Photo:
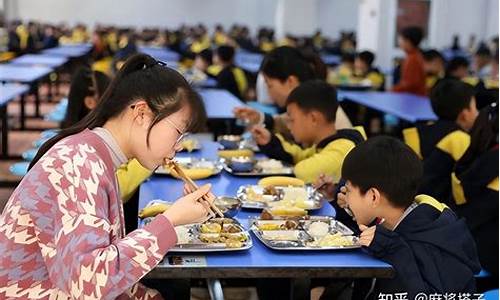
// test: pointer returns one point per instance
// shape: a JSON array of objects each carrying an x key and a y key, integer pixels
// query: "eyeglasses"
[{"x": 181, "y": 134}]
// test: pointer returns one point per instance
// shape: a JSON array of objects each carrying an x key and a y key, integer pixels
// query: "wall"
[
  {"x": 165, "y": 13},
  {"x": 337, "y": 15}
]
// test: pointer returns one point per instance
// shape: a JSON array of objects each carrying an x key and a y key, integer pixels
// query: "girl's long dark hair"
[
  {"x": 140, "y": 78},
  {"x": 84, "y": 83}
]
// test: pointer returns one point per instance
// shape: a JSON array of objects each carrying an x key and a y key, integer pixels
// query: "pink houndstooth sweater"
[{"x": 62, "y": 232}]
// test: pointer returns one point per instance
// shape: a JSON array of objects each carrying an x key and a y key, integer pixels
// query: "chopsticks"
[{"x": 213, "y": 210}]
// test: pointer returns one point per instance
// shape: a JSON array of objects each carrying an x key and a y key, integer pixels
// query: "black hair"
[
  {"x": 484, "y": 135},
  {"x": 226, "y": 53},
  {"x": 432, "y": 54},
  {"x": 456, "y": 63},
  {"x": 367, "y": 57},
  {"x": 84, "y": 83},
  {"x": 413, "y": 34},
  {"x": 282, "y": 62},
  {"x": 387, "y": 164},
  {"x": 348, "y": 57},
  {"x": 141, "y": 77},
  {"x": 449, "y": 97},
  {"x": 206, "y": 55},
  {"x": 483, "y": 50},
  {"x": 316, "y": 95}
]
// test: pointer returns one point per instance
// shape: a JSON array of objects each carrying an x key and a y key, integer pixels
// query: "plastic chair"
[{"x": 19, "y": 169}]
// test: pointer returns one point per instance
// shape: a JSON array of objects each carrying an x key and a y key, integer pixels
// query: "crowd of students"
[{"x": 427, "y": 203}]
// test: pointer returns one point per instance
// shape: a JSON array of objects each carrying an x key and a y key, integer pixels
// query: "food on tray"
[
  {"x": 234, "y": 244},
  {"x": 230, "y": 228},
  {"x": 153, "y": 210},
  {"x": 210, "y": 228},
  {"x": 222, "y": 221},
  {"x": 285, "y": 235},
  {"x": 318, "y": 229},
  {"x": 270, "y": 165},
  {"x": 277, "y": 225},
  {"x": 254, "y": 194},
  {"x": 282, "y": 211},
  {"x": 212, "y": 238},
  {"x": 281, "y": 181},
  {"x": 183, "y": 235},
  {"x": 332, "y": 240},
  {"x": 189, "y": 144},
  {"x": 227, "y": 154},
  {"x": 194, "y": 173}
]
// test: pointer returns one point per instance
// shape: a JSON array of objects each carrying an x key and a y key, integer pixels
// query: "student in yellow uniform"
[
  {"x": 311, "y": 109},
  {"x": 343, "y": 73},
  {"x": 475, "y": 187},
  {"x": 230, "y": 77},
  {"x": 441, "y": 144},
  {"x": 434, "y": 67},
  {"x": 364, "y": 70}
]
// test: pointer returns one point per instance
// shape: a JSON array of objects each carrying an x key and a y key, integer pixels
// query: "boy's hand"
[
  {"x": 326, "y": 184},
  {"x": 247, "y": 113},
  {"x": 261, "y": 135},
  {"x": 342, "y": 198},
  {"x": 367, "y": 234}
]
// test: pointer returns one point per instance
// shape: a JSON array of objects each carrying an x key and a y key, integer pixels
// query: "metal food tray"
[
  {"x": 287, "y": 170},
  {"x": 191, "y": 162},
  {"x": 317, "y": 197},
  {"x": 303, "y": 237},
  {"x": 197, "y": 246}
]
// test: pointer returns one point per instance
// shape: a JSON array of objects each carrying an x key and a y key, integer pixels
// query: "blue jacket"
[{"x": 431, "y": 251}]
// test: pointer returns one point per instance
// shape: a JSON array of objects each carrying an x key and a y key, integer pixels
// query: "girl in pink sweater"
[{"x": 62, "y": 232}]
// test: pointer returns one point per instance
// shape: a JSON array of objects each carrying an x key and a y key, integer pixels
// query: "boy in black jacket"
[
  {"x": 441, "y": 144},
  {"x": 431, "y": 250}
]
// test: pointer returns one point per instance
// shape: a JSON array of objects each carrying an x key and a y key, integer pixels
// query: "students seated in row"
[
  {"x": 441, "y": 144},
  {"x": 364, "y": 70},
  {"x": 284, "y": 68},
  {"x": 412, "y": 78},
  {"x": 430, "y": 249},
  {"x": 475, "y": 187},
  {"x": 230, "y": 77},
  {"x": 482, "y": 62},
  {"x": 311, "y": 110},
  {"x": 434, "y": 67}
]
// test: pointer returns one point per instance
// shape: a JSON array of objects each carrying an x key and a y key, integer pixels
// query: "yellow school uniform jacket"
[
  {"x": 130, "y": 176},
  {"x": 440, "y": 145},
  {"x": 324, "y": 158}
]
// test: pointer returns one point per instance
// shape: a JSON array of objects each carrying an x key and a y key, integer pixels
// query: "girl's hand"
[
  {"x": 190, "y": 208},
  {"x": 247, "y": 113}
]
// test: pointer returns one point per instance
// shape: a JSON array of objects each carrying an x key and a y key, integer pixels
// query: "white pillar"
[
  {"x": 297, "y": 17},
  {"x": 377, "y": 29}
]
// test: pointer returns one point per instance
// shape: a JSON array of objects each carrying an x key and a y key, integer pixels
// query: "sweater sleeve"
[{"x": 81, "y": 254}]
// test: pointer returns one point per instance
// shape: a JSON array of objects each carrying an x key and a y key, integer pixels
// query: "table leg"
[
  {"x": 22, "y": 115},
  {"x": 5, "y": 131},
  {"x": 37, "y": 99},
  {"x": 215, "y": 289}
]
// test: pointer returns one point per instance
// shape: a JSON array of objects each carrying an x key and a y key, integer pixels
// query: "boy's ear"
[
  {"x": 292, "y": 81},
  {"x": 375, "y": 199}
]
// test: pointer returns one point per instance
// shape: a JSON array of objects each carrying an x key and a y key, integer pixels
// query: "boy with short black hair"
[
  {"x": 364, "y": 69},
  {"x": 311, "y": 109},
  {"x": 230, "y": 77},
  {"x": 441, "y": 144},
  {"x": 431, "y": 250}
]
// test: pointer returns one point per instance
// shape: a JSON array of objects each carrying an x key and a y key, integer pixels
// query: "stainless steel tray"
[
  {"x": 298, "y": 239},
  {"x": 287, "y": 170},
  {"x": 191, "y": 162},
  {"x": 195, "y": 245},
  {"x": 316, "y": 198}
]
